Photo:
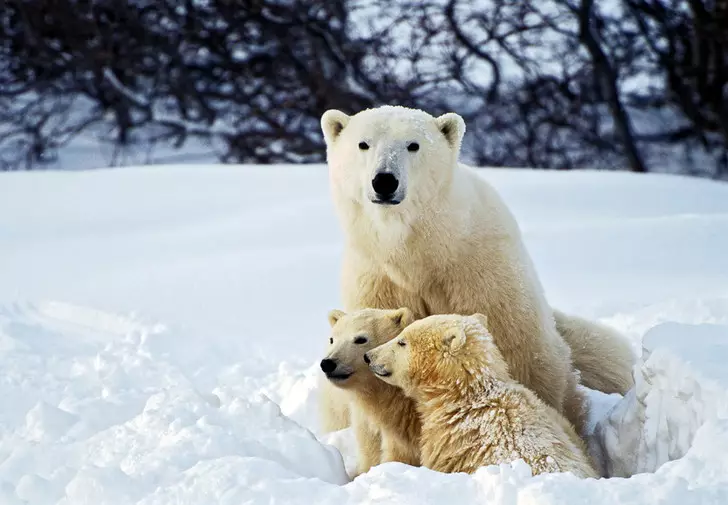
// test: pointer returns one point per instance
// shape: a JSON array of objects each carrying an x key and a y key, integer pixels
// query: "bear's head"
[
  {"x": 441, "y": 351},
  {"x": 352, "y": 335},
  {"x": 391, "y": 157}
]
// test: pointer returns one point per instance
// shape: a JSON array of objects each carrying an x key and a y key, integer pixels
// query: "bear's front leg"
[
  {"x": 394, "y": 449},
  {"x": 525, "y": 334},
  {"x": 369, "y": 442},
  {"x": 333, "y": 406}
]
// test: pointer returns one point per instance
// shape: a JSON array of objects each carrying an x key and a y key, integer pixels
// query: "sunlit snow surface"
[{"x": 160, "y": 329}]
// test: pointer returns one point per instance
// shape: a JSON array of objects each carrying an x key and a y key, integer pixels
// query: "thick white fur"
[{"x": 450, "y": 246}]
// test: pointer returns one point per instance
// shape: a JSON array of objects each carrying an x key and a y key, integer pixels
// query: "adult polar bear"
[{"x": 426, "y": 232}]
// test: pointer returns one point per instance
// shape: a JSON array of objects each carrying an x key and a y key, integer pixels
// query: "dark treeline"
[{"x": 618, "y": 84}]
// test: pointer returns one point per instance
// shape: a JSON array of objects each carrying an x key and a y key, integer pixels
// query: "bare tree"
[
  {"x": 251, "y": 77},
  {"x": 606, "y": 78},
  {"x": 557, "y": 84},
  {"x": 688, "y": 48}
]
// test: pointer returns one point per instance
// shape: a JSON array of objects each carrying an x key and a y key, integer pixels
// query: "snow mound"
[
  {"x": 681, "y": 385},
  {"x": 113, "y": 420}
]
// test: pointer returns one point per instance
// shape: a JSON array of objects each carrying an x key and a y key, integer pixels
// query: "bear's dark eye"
[
  {"x": 331, "y": 340},
  {"x": 360, "y": 340},
  {"x": 363, "y": 146},
  {"x": 401, "y": 343},
  {"x": 413, "y": 147}
]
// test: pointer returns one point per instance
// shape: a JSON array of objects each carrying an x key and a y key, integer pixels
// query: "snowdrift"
[
  {"x": 680, "y": 388},
  {"x": 160, "y": 328}
]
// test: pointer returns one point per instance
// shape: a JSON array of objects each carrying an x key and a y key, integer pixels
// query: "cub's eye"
[
  {"x": 360, "y": 340},
  {"x": 363, "y": 146},
  {"x": 413, "y": 147},
  {"x": 401, "y": 343},
  {"x": 331, "y": 340}
]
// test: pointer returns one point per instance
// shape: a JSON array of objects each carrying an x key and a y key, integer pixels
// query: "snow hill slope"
[{"x": 160, "y": 329}]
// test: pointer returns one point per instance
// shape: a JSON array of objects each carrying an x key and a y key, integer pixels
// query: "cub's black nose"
[
  {"x": 328, "y": 365},
  {"x": 366, "y": 359},
  {"x": 385, "y": 185}
]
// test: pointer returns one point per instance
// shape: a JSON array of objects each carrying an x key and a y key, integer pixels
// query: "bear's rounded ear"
[
  {"x": 454, "y": 339},
  {"x": 402, "y": 317},
  {"x": 452, "y": 127},
  {"x": 335, "y": 315},
  {"x": 482, "y": 319},
  {"x": 332, "y": 123}
]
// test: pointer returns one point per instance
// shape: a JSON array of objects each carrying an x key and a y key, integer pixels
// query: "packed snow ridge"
[
  {"x": 178, "y": 364},
  {"x": 681, "y": 385}
]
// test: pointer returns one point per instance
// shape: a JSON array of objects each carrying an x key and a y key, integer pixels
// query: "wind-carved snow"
[{"x": 681, "y": 384}]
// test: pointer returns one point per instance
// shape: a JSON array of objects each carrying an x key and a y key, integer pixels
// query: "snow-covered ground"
[{"x": 160, "y": 329}]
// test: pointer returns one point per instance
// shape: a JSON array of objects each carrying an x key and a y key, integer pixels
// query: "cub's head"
[
  {"x": 391, "y": 156},
  {"x": 442, "y": 350},
  {"x": 352, "y": 335}
]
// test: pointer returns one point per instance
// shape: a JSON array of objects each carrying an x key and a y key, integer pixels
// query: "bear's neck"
[
  {"x": 383, "y": 231},
  {"x": 471, "y": 376},
  {"x": 391, "y": 409}
]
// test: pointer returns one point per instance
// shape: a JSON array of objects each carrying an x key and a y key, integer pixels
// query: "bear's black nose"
[
  {"x": 366, "y": 359},
  {"x": 328, "y": 365},
  {"x": 385, "y": 185}
]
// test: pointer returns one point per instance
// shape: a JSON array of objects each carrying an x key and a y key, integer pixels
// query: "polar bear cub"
[
  {"x": 385, "y": 421},
  {"x": 472, "y": 412}
]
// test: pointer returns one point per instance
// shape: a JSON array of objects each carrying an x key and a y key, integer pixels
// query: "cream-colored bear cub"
[
  {"x": 472, "y": 412},
  {"x": 385, "y": 422}
]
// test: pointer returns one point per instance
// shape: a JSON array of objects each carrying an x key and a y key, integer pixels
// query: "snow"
[
  {"x": 681, "y": 386},
  {"x": 160, "y": 329}
]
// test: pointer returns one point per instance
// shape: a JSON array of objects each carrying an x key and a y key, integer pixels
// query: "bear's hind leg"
[{"x": 603, "y": 356}]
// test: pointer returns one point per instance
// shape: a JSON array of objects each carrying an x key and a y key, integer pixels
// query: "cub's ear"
[
  {"x": 332, "y": 124},
  {"x": 482, "y": 319},
  {"x": 335, "y": 315},
  {"x": 452, "y": 127},
  {"x": 454, "y": 340},
  {"x": 402, "y": 317}
]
